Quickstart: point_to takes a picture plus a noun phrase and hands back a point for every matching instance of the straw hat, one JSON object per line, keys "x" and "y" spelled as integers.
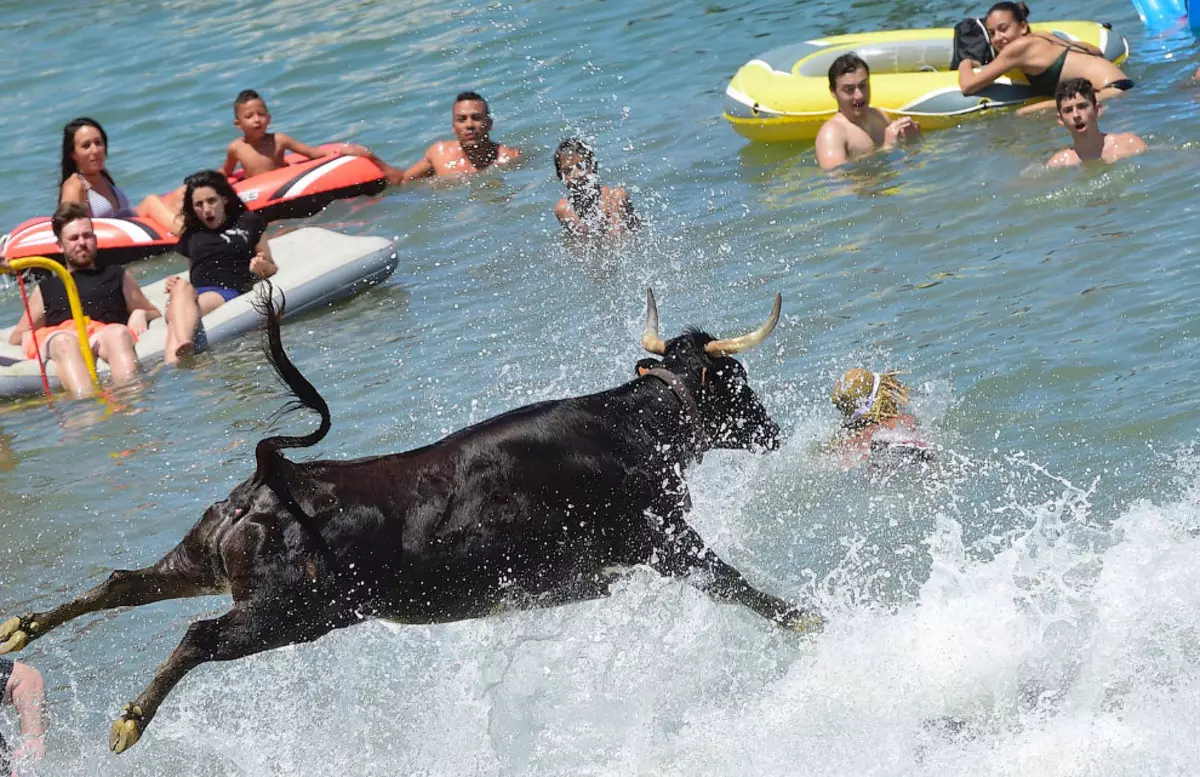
{"x": 867, "y": 397}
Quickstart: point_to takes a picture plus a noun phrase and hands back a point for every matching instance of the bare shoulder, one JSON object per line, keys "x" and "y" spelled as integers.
{"x": 1130, "y": 143}
{"x": 507, "y": 154}
{"x": 73, "y": 190}
{"x": 832, "y": 130}
{"x": 1064, "y": 158}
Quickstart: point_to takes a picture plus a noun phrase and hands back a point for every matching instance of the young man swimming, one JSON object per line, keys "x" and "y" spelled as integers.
{"x": 857, "y": 129}
{"x": 471, "y": 151}
{"x": 259, "y": 151}
{"x": 590, "y": 209}
{"x": 1079, "y": 111}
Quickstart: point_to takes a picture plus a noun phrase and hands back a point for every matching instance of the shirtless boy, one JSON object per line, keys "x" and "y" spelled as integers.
{"x": 857, "y": 129}
{"x": 1079, "y": 111}
{"x": 472, "y": 150}
{"x": 259, "y": 151}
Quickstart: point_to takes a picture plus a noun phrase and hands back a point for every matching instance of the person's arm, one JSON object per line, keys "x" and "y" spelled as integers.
{"x": 31, "y": 319}
{"x": 73, "y": 190}
{"x": 568, "y": 217}
{"x": 422, "y": 169}
{"x": 628, "y": 217}
{"x": 390, "y": 174}
{"x": 231, "y": 159}
{"x": 288, "y": 143}
{"x": 262, "y": 264}
{"x": 27, "y": 691}
{"x": 141, "y": 310}
{"x": 831, "y": 146}
{"x": 1008, "y": 59}
{"x": 507, "y": 155}
{"x": 154, "y": 209}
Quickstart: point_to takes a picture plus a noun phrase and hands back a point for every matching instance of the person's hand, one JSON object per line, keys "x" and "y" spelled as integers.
{"x": 899, "y": 130}
{"x": 259, "y": 265}
{"x": 26, "y": 336}
{"x": 138, "y": 323}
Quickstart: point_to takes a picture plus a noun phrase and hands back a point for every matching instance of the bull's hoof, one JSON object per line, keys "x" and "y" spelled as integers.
{"x": 803, "y": 622}
{"x": 126, "y": 729}
{"x": 16, "y": 633}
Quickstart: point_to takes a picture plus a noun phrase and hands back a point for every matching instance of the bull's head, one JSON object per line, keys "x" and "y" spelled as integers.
{"x": 731, "y": 414}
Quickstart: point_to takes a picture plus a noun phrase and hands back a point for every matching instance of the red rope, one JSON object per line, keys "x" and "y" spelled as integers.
{"x": 29, "y": 317}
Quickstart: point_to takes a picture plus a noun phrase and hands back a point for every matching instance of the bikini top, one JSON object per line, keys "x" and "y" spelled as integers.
{"x": 99, "y": 206}
{"x": 1046, "y": 82}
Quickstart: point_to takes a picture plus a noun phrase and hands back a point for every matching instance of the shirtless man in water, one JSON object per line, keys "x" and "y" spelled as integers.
{"x": 472, "y": 150}
{"x": 857, "y": 129}
{"x": 1079, "y": 112}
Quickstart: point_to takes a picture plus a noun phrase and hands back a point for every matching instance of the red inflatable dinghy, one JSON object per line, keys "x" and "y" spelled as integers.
{"x": 120, "y": 240}
{"x": 305, "y": 186}
{"x": 301, "y": 188}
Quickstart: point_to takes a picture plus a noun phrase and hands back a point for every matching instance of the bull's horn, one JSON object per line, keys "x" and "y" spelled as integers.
{"x": 650, "y": 338}
{"x": 734, "y": 345}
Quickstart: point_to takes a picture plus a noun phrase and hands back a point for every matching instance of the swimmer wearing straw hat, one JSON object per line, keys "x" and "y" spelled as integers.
{"x": 870, "y": 403}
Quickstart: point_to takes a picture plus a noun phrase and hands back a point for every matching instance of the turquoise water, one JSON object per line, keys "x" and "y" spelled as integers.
{"x": 1037, "y": 584}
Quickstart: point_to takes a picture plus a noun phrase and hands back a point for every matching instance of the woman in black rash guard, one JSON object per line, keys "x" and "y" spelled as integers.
{"x": 227, "y": 253}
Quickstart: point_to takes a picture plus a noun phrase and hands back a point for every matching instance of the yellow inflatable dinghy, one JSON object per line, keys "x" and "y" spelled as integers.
{"x": 783, "y": 95}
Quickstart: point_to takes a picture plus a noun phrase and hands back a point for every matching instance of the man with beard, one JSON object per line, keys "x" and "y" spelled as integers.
{"x": 117, "y": 310}
{"x": 472, "y": 150}
{"x": 589, "y": 209}
{"x": 857, "y": 129}
{"x": 1079, "y": 111}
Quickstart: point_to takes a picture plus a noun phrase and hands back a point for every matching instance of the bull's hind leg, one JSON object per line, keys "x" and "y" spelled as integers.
{"x": 243, "y": 631}
{"x": 168, "y": 579}
{"x": 684, "y": 555}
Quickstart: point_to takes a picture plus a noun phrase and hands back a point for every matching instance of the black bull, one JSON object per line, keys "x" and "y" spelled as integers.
{"x": 536, "y": 507}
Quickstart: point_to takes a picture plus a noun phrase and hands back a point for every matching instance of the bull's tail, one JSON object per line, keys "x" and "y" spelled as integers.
{"x": 273, "y": 468}
{"x": 304, "y": 394}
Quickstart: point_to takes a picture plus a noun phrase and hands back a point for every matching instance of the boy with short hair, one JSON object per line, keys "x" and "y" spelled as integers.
{"x": 1079, "y": 111}
{"x": 259, "y": 151}
{"x": 857, "y": 129}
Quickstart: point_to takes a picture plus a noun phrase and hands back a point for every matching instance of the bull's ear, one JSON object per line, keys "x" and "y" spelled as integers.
{"x": 645, "y": 365}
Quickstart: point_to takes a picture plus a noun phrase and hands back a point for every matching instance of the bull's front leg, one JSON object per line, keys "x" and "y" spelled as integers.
{"x": 123, "y": 588}
{"x": 683, "y": 554}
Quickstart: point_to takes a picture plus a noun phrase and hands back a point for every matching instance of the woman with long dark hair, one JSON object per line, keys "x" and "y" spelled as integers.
{"x": 85, "y": 178}
{"x": 1044, "y": 59}
{"x": 227, "y": 252}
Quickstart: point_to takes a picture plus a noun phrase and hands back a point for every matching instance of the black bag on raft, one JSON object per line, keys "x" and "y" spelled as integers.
{"x": 971, "y": 41}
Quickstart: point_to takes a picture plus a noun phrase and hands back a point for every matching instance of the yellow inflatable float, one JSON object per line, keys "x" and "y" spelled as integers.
{"x": 783, "y": 95}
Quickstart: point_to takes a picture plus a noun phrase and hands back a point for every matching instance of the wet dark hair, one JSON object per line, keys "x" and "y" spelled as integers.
{"x": 234, "y": 207}
{"x": 1020, "y": 11}
{"x": 66, "y": 213}
{"x": 474, "y": 97}
{"x": 1072, "y": 87}
{"x": 847, "y": 63}
{"x": 573, "y": 146}
{"x": 69, "y": 168}
{"x": 245, "y": 96}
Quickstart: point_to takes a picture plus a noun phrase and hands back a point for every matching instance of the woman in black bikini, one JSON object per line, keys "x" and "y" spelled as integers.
{"x": 1044, "y": 59}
